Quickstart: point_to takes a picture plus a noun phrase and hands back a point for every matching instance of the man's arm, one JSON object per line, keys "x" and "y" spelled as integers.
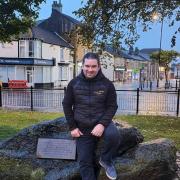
{"x": 68, "y": 103}
{"x": 111, "y": 106}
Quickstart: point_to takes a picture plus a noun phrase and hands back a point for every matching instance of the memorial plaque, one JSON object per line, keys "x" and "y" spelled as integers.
{"x": 56, "y": 148}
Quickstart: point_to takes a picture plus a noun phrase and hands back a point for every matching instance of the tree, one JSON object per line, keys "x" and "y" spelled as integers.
{"x": 17, "y": 16}
{"x": 116, "y": 21}
{"x": 164, "y": 58}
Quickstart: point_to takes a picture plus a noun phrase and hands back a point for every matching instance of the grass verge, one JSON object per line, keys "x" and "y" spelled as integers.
{"x": 13, "y": 121}
{"x": 153, "y": 127}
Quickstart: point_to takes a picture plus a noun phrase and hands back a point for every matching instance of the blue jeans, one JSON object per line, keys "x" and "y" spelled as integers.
{"x": 86, "y": 147}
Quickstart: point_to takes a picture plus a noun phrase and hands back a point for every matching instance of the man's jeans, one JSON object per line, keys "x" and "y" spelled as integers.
{"x": 86, "y": 146}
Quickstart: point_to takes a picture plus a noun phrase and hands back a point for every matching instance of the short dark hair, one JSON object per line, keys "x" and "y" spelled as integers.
{"x": 91, "y": 55}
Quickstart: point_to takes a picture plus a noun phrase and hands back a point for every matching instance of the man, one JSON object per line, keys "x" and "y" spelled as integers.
{"x": 89, "y": 106}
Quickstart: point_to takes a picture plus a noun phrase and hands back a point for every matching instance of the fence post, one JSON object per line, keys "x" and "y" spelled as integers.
{"x": 0, "y": 96}
{"x": 31, "y": 98}
{"x": 177, "y": 111}
{"x": 150, "y": 85}
{"x": 137, "y": 103}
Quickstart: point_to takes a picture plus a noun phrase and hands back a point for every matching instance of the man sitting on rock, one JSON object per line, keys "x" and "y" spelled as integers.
{"x": 89, "y": 106}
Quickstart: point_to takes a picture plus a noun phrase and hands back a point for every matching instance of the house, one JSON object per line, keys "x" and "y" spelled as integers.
{"x": 128, "y": 65}
{"x": 154, "y": 66}
{"x": 42, "y": 56}
{"x": 63, "y": 25}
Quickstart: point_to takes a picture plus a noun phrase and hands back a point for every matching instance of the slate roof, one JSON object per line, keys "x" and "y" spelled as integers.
{"x": 149, "y": 50}
{"x": 125, "y": 54}
{"x": 46, "y": 36}
{"x": 57, "y": 21}
{"x": 70, "y": 18}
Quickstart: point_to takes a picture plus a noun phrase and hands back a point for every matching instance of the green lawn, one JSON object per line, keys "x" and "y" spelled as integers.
{"x": 13, "y": 121}
{"x": 151, "y": 127}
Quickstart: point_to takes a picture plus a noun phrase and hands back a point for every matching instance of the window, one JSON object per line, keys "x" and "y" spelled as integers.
{"x": 30, "y": 48}
{"x": 63, "y": 73}
{"x": 61, "y": 54}
{"x": 7, "y": 72}
{"x": 22, "y": 49}
{"x": 46, "y": 74}
{"x": 66, "y": 27}
{"x": 38, "y": 49}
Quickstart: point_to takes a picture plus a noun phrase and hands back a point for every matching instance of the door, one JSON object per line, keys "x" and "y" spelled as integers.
{"x": 30, "y": 75}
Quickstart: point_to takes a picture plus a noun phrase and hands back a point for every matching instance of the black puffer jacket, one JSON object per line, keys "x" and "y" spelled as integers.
{"x": 88, "y": 102}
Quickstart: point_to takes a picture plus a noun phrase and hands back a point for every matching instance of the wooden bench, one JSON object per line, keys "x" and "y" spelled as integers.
{"x": 17, "y": 84}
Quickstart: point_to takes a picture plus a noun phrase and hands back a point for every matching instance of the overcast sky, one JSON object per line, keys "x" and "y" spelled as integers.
{"x": 150, "y": 39}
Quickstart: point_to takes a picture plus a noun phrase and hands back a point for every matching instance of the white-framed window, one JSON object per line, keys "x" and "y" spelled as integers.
{"x": 46, "y": 74}
{"x": 30, "y": 48}
{"x": 63, "y": 73}
{"x": 22, "y": 48}
{"x": 7, "y": 73}
{"x": 61, "y": 54}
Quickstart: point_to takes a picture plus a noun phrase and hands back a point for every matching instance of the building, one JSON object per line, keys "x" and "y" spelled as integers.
{"x": 128, "y": 65}
{"x": 43, "y": 56}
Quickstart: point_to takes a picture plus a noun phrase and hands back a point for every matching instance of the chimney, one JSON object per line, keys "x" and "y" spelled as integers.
{"x": 131, "y": 50}
{"x": 57, "y": 6}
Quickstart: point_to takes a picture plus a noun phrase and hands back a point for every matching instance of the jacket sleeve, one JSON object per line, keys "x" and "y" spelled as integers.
{"x": 111, "y": 106}
{"x": 68, "y": 103}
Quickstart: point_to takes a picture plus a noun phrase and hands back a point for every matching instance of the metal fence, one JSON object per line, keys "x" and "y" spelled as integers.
{"x": 129, "y": 101}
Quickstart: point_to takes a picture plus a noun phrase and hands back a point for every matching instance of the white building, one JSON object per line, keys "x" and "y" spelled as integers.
{"x": 40, "y": 57}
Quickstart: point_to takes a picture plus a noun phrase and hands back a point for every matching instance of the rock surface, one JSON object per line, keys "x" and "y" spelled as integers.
{"x": 154, "y": 160}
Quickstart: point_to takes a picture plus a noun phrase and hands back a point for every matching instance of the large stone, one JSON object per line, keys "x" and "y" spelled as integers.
{"x": 154, "y": 160}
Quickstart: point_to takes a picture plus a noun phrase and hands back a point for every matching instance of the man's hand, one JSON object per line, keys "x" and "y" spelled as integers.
{"x": 76, "y": 133}
{"x": 98, "y": 130}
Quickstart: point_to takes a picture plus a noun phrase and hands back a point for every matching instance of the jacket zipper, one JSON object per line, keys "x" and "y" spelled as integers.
{"x": 90, "y": 101}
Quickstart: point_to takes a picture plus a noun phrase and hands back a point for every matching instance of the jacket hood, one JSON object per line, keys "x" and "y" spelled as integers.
{"x": 99, "y": 76}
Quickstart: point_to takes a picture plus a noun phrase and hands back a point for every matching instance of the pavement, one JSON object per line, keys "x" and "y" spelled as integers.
{"x": 134, "y": 84}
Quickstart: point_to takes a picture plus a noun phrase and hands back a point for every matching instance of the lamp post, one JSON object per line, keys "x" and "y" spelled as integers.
{"x": 160, "y": 51}
{"x": 156, "y": 16}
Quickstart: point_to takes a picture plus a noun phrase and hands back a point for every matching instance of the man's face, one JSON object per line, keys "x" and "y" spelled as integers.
{"x": 90, "y": 68}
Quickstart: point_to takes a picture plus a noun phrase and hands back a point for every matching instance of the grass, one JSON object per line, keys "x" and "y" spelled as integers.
{"x": 153, "y": 127}
{"x": 17, "y": 169}
{"x": 13, "y": 121}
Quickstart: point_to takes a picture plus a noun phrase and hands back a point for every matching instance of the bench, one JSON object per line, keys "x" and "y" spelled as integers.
{"x": 17, "y": 84}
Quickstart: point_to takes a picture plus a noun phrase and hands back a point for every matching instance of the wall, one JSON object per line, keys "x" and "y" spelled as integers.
{"x": 9, "y": 49}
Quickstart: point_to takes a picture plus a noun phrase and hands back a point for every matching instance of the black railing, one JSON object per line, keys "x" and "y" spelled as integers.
{"x": 129, "y": 101}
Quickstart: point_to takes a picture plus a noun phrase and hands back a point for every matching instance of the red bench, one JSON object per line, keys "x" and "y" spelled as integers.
{"x": 16, "y": 84}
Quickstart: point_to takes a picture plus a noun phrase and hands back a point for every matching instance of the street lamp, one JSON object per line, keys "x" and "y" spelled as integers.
{"x": 156, "y": 16}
